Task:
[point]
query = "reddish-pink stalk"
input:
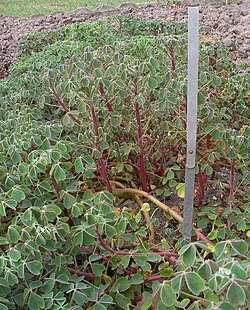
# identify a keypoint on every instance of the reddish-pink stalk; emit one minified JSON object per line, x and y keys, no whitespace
{"x":172,"y":57}
{"x":232,"y":184}
{"x":63,"y":105}
{"x":153,"y":278}
{"x":100,"y":161}
{"x":103,"y":92}
{"x":87,"y":276}
{"x":153,"y":162}
{"x":202,"y":178}
{"x":122,"y":253}
{"x":141,"y":155}
{"x":56,"y":187}
{"x":208,"y":140}
{"x":103,"y":258}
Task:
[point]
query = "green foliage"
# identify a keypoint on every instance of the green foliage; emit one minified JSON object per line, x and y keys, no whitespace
{"x":105,"y":102}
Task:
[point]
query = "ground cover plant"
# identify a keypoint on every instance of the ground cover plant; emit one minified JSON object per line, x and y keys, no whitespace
{"x":93,"y":143}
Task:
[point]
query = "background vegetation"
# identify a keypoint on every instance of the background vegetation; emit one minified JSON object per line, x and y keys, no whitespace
{"x":27,"y":8}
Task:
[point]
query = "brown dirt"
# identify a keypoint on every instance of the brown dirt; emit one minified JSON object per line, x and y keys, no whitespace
{"x":231,"y":23}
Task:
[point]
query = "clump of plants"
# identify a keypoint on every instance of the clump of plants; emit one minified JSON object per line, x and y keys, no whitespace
{"x":103,"y":123}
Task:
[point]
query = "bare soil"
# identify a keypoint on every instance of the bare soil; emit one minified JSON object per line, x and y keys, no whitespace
{"x":231,"y":23}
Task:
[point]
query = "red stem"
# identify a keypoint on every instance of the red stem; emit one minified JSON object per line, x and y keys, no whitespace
{"x":153,"y":278}
{"x":232,"y":184}
{"x":63,"y":105}
{"x":88,"y":276}
{"x":56,"y":187}
{"x":172,"y":56}
{"x":121,"y":253}
{"x":208,"y":140}
{"x":202,"y":179}
{"x":103,"y":92}
{"x":100,"y":161}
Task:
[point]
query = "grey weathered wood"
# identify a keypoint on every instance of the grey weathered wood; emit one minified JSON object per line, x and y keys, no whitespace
{"x":193,"y":60}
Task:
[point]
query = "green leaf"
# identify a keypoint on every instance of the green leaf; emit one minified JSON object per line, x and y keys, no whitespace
{"x":80,"y":298}
{"x":240,"y":247}
{"x":79,"y":165}
{"x":136,"y":279}
{"x":220,"y":248}
{"x":35,"y":301}
{"x":115,"y":122}
{"x":194,"y":282}
{"x":154,"y":63}
{"x":89,"y":160}
{"x":35,"y":284}
{"x":76,"y":211}
{"x":140,"y":260}
{"x":12,"y":279}
{"x":18,"y":195}
{"x":216,"y":81}
{"x":110,"y":231}
{"x":63,"y":278}
{"x":205,"y":270}
{"x":106,"y":299}
{"x":53,"y":208}
{"x":170,"y":174}
{"x":239,"y":271}
{"x":182,"y":304}
{"x":188,"y":253}
{"x":4,"y":287}
{"x":99,"y":306}
{"x":78,"y":238}
{"x":69,"y":200}
{"x":166,"y":271}
{"x":121,"y":285}
{"x":201,"y":99}
{"x":98,"y":73}
{"x":211,"y":296}
{"x":98,"y":269}
{"x":2,"y":209}
{"x":82,"y":107}
{"x":203,"y":78}
{"x":34,"y":267}
{"x":125,"y":261}
{"x":11,"y":203}
{"x":209,"y":170}
{"x":13,"y":234}
{"x":236,"y":294}
{"x":152,"y":83}
{"x":226,"y":306}
{"x":213,"y":234}
{"x":146,"y":305}
{"x":3,"y":307}
{"x":14,"y":254}
{"x":123,"y":93}
{"x":176,"y":283}
{"x":3,"y":241}
{"x":59,"y":174}
{"x":162,"y":105}
{"x":167,"y":295}
{"x":112,"y":71}
{"x":242,"y":226}
{"x":122,"y":301}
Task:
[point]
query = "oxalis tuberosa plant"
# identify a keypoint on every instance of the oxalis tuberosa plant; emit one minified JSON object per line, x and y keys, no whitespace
{"x":93,"y":145}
